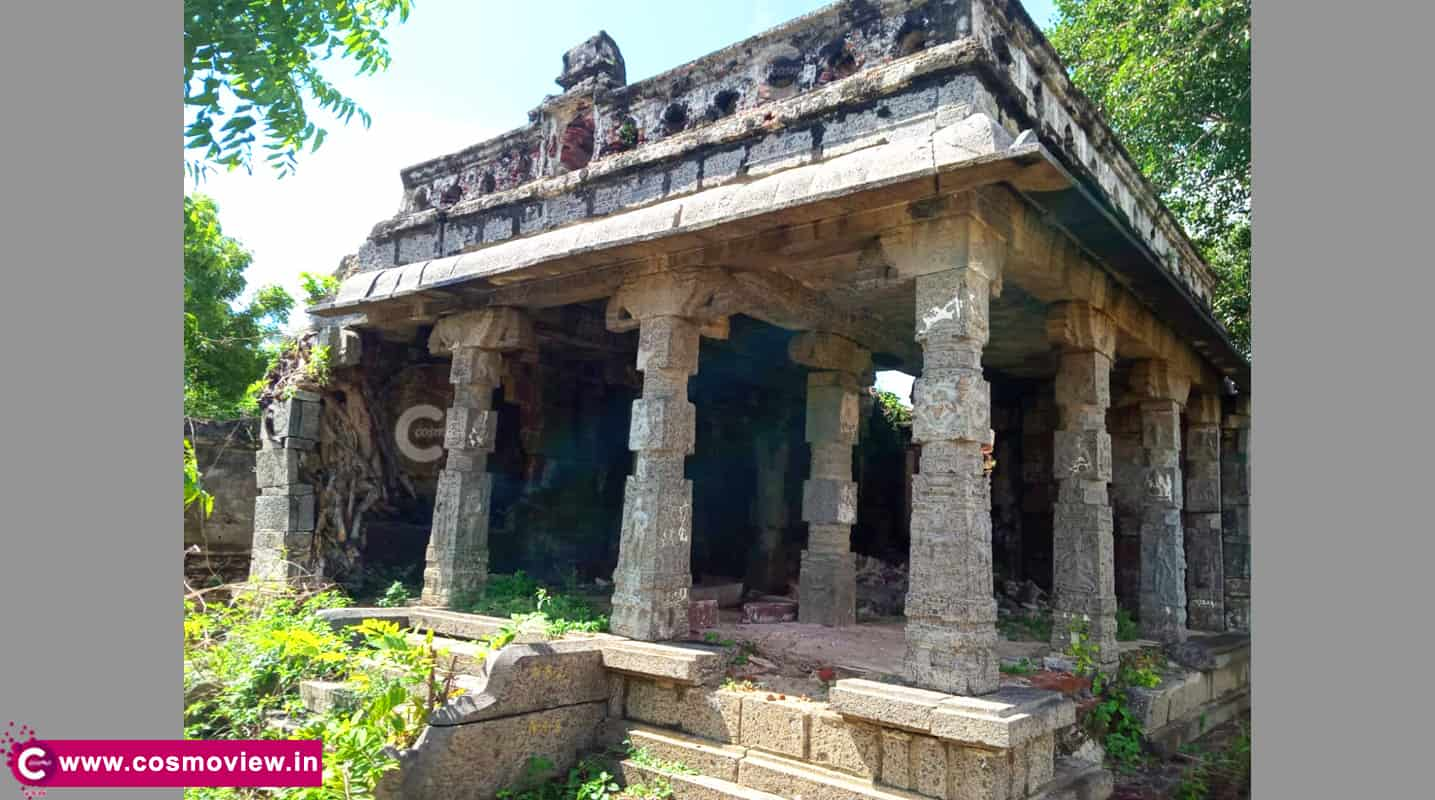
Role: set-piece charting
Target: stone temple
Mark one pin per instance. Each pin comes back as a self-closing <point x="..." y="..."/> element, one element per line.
<point x="634" y="339"/>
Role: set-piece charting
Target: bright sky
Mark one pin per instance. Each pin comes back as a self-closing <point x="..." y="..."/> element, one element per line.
<point x="463" y="71"/>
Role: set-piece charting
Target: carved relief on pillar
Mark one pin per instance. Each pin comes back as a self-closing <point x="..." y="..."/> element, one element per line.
<point x="1083" y="550"/>
<point x="457" y="556"/>
<point x="671" y="310"/>
<point x="1161" y="392"/>
<point x="1236" y="511"/>
<point x="951" y="613"/>
<point x="1205" y="572"/>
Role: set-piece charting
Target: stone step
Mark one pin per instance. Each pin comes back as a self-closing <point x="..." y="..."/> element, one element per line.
<point x="466" y="657"/>
<point x="787" y="777"/>
<point x="322" y="697"/>
<point x="708" y="758"/>
<point x="691" y="787"/>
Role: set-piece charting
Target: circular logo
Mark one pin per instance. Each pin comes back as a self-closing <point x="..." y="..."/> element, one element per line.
<point x="419" y="433"/>
<point x="34" y="763"/>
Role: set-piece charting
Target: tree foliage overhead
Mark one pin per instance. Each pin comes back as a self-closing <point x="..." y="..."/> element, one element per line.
<point x="224" y="344"/>
<point x="250" y="66"/>
<point x="1173" y="78"/>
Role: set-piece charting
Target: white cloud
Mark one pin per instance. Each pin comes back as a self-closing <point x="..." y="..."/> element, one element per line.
<point x="309" y="220"/>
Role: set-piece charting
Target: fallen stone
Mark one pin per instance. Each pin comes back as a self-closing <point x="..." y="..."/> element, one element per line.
<point x="702" y="614"/>
<point x="768" y="611"/>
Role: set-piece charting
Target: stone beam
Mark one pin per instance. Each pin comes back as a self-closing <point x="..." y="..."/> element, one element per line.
<point x="1084" y="579"/>
<point x="1048" y="264"/>
<point x="1205" y="573"/>
<point x="457" y="556"/>
<point x="951" y="614"/>
<point x="1161" y="392"/>
<point x="841" y="368"/>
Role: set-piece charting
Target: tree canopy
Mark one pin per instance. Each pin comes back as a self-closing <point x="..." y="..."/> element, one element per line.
<point x="250" y="66"/>
<point x="224" y="343"/>
<point x="1173" y="78"/>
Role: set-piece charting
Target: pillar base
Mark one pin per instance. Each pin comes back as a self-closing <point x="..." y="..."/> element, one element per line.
<point x="827" y="589"/>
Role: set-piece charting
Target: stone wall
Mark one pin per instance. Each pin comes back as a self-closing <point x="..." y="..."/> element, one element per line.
<point x="217" y="547"/>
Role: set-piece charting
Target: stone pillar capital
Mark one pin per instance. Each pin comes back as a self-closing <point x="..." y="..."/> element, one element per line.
<point x="828" y="351"/>
<point x="501" y="328"/>
<point x="1203" y="408"/>
<point x="1157" y="379"/>
<point x="706" y="296"/>
<point x="1075" y="326"/>
<point x="976" y="238"/>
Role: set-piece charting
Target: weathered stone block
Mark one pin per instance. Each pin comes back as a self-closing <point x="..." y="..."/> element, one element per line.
<point x="896" y="758"/>
<point x="827" y="588"/>
<point x="654" y="703"/>
<point x="663" y="423"/>
<point x="762" y="612"/>
<point x="775" y="725"/>
<point x="951" y="407"/>
<point x="293" y="418"/>
<point x="1082" y="455"/>
<point x="276" y="467"/>
<point x="476" y="367"/>
<point x="712" y="714"/>
<point x="284" y="512"/>
<point x="929" y="766"/>
<point x="848" y="745"/>
<point x="1005" y="719"/>
<point x="688" y="664"/>
<point x="471" y="429"/>
<point x="702" y="614"/>
<point x="668" y="343"/>
<point x="885" y="704"/>
<point x="978" y="774"/>
<point x="1084" y="379"/>
<point x="829" y="502"/>
<point x="832" y="414"/>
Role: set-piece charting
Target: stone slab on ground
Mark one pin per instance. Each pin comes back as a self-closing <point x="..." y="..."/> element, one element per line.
<point x="762" y="612"/>
<point x="689" y="663"/>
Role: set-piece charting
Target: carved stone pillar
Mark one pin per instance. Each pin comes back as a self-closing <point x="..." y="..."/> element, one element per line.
<point x="1084" y="580"/>
<point x="827" y="589"/>
<point x="951" y="613"/>
<point x="457" y="557"/>
<point x="1236" y="511"/>
<point x="1205" y="568"/>
<point x="1161" y="393"/>
<point x="654" y="574"/>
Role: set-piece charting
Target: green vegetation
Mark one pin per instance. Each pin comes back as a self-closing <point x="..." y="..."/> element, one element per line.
<point x="245" y="660"/>
<point x="1022" y="667"/>
<point x="1127" y="628"/>
<point x="530" y="606"/>
<point x="1111" y="720"/>
<point x="318" y="288"/>
<point x="226" y="347"/>
<point x="644" y="757"/>
<point x="1031" y="626"/>
<point x="251" y="68"/>
<point x="395" y="596"/>
<point x="1221" y="773"/>
<point x="1173" y="79"/>
<point x="193" y="482"/>
<point x="588" y="780"/>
